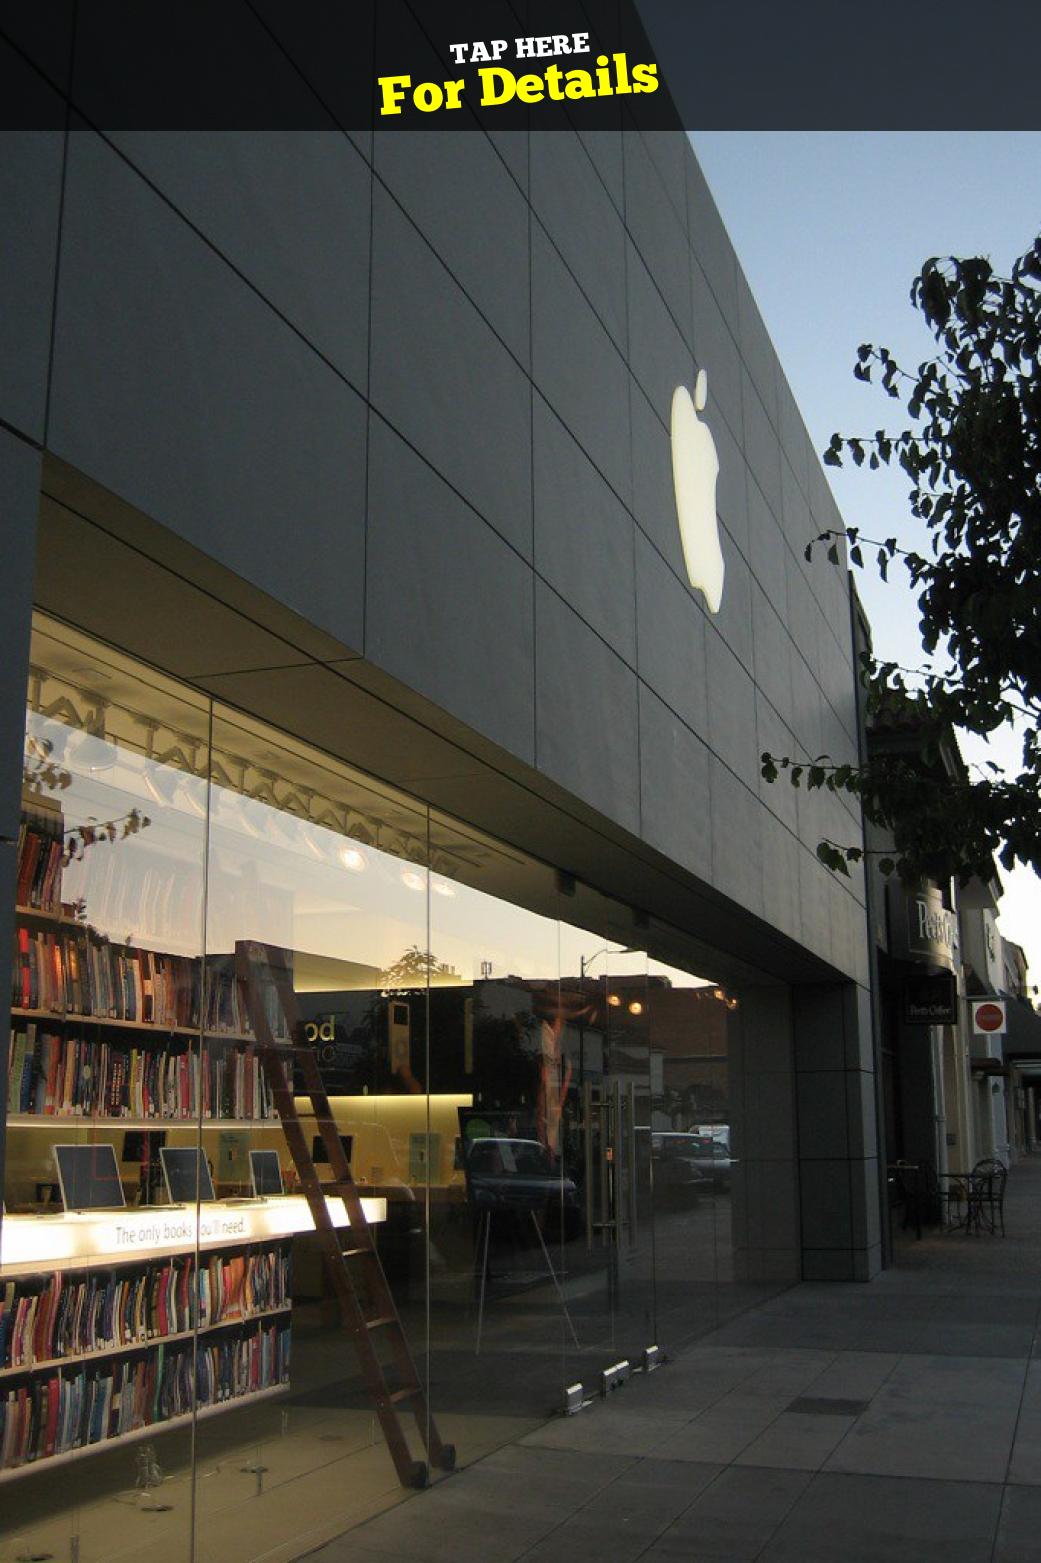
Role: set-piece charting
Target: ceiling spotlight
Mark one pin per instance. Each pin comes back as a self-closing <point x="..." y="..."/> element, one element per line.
<point x="413" y="880"/>
<point x="439" y="887"/>
<point x="351" y="858"/>
<point x="636" y="1008"/>
<point x="613" y="1000"/>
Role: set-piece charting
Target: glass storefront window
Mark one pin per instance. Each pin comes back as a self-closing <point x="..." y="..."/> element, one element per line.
<point x="248" y="978"/>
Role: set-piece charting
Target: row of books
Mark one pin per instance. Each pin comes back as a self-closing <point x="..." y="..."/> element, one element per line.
<point x="238" y="1285"/>
<point x="47" y="1317"/>
<point x="76" y="970"/>
<point x="68" y="1410"/>
<point x="52" y="1075"/>
<point x="41" y="844"/>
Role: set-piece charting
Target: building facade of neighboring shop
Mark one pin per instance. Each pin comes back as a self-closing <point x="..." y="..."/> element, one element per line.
<point x="347" y="612"/>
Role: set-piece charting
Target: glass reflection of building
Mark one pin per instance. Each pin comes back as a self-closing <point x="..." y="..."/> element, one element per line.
<point x="500" y="1079"/>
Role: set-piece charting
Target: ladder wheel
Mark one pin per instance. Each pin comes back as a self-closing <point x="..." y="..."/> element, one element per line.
<point x="418" y="1475"/>
<point x="447" y="1461"/>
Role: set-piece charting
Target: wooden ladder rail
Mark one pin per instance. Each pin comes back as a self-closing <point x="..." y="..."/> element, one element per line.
<point x="274" y="1054"/>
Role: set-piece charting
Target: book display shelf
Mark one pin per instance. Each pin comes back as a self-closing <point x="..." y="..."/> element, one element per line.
<point x="116" y="1323"/>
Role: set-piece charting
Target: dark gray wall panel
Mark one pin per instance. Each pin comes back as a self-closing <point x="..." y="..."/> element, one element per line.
<point x="773" y="654"/>
<point x="654" y="498"/>
<point x="799" y="528"/>
<point x="774" y="737"/>
<point x="757" y="349"/>
<point x="319" y="52"/>
<point x="669" y="152"/>
<point x="659" y="355"/>
<point x="802" y="621"/>
<point x="458" y="192"/>
<point x="20" y="487"/>
<point x="180" y="390"/>
<point x="675" y="808"/>
<point x="30" y="197"/>
<point x="445" y="381"/>
<point x="781" y="876"/>
<point x="605" y="153"/>
<point x="767" y="552"/>
<point x="734" y="619"/>
<point x="731" y="489"/>
<point x="449" y="608"/>
<point x="290" y="210"/>
<point x="659" y="231"/>
<point x="762" y="446"/>
<point x="578" y="369"/>
<point x="710" y="241"/>
<point x="671" y="632"/>
<point x="716" y="352"/>
<point x="795" y="441"/>
<point x="737" y="867"/>
<point x="587" y="722"/>
<point x="576" y="211"/>
<point x="731" y="710"/>
<point x="806" y="706"/>
<point x="583" y="536"/>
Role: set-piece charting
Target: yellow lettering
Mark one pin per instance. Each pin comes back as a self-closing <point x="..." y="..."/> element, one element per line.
<point x="428" y="97"/>
<point x="645" y="78"/>
<point x="531" y="89"/>
<point x="393" y="90"/>
<point x="507" y="85"/>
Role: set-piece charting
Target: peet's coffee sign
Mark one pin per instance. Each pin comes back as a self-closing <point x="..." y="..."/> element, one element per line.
<point x="924" y="929"/>
<point x="930" y="1001"/>
<point x="932" y="928"/>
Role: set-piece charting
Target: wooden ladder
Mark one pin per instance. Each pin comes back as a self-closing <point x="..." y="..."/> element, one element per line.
<point x="366" y="1306"/>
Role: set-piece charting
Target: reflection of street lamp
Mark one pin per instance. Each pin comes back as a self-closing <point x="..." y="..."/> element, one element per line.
<point x="584" y="963"/>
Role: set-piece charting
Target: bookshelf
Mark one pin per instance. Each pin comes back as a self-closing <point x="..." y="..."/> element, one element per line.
<point x="146" y="1430"/>
<point x="116" y="1325"/>
<point x="35" y="1251"/>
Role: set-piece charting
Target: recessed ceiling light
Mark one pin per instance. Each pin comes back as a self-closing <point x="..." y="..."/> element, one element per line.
<point x="441" y="888"/>
<point x="413" y="880"/>
<point x="354" y="859"/>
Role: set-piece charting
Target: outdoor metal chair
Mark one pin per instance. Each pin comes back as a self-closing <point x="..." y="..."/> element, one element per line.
<point x="987" y="1182"/>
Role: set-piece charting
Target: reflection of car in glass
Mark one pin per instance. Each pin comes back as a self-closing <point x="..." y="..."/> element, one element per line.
<point x="676" y="1166"/>
<point x="508" y="1174"/>
<point x="712" y="1159"/>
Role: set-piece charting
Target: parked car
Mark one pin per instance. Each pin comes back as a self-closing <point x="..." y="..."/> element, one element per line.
<point x="518" y="1175"/>
<point x="676" y="1167"/>
<point x="698" y="1153"/>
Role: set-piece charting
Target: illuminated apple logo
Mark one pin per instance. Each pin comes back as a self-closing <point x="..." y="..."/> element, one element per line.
<point x="695" y="468"/>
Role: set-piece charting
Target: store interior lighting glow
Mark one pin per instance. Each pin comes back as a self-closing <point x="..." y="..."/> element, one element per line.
<point x="353" y="859"/>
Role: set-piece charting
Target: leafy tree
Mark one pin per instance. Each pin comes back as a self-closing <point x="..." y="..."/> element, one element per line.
<point x="971" y="450"/>
<point x="414" y="968"/>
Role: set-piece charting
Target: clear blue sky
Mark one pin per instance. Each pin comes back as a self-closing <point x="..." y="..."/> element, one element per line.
<point x="830" y="229"/>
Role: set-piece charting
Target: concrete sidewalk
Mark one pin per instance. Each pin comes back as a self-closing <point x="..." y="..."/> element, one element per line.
<point x="898" y="1422"/>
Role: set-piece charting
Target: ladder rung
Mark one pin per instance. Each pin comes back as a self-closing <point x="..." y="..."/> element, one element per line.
<point x="380" y="1320"/>
<point x="404" y="1394"/>
<point x="352" y="1253"/>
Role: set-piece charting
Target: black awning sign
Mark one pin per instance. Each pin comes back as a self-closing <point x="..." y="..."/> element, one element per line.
<point x="930" y="1001"/>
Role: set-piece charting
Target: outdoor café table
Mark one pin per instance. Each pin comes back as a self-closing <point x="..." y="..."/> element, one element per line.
<point x="957" y="1191"/>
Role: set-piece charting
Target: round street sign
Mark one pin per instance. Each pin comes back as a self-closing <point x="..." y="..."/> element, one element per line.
<point x="989" y="1017"/>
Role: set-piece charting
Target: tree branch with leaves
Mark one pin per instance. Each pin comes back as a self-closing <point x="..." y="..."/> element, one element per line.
<point x="971" y="450"/>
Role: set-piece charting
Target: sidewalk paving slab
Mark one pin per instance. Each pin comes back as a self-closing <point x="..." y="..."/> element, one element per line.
<point x="893" y="1422"/>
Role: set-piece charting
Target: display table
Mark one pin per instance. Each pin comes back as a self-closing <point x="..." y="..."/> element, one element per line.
<point x="84" y="1239"/>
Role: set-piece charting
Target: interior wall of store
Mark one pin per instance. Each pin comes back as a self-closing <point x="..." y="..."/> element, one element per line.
<point x="258" y="366"/>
